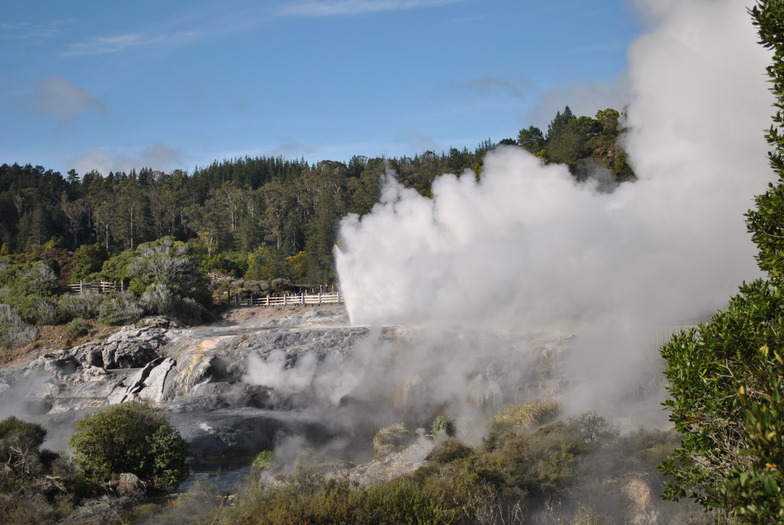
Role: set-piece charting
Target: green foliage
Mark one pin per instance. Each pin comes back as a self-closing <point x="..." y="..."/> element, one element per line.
<point x="78" y="328"/>
<point x="707" y="368"/>
<point x="19" y="437"/>
<point x="725" y="376"/>
<point x="267" y="263"/>
<point x="119" y="309"/>
<point x="33" y="481"/>
<point x="531" y="139"/>
<point x="264" y="460"/>
<point x="14" y="332"/>
<point x="308" y="497"/>
<point x="90" y="260"/>
<point x="169" y="281"/>
<point x="130" y="438"/>
<point x="85" y="306"/>
<point x="449" y="449"/>
<point x="442" y="427"/>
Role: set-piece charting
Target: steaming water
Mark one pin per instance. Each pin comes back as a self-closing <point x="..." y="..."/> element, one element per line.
<point x="527" y="248"/>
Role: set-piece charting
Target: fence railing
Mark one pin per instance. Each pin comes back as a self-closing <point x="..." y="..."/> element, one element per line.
<point x="253" y="300"/>
<point x="97" y="286"/>
<point x="286" y="300"/>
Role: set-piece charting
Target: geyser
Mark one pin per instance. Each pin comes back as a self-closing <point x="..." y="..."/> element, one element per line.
<point x="522" y="246"/>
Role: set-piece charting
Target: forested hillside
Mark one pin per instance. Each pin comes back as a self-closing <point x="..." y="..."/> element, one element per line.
<point x="234" y="212"/>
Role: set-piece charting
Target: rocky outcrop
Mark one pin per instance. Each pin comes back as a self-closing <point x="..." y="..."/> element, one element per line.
<point x="346" y="378"/>
<point x="129" y="348"/>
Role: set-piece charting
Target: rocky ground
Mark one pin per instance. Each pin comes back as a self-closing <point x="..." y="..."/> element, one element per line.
<point x="196" y="374"/>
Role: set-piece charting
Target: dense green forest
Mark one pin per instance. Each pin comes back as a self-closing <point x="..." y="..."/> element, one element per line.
<point x="236" y="213"/>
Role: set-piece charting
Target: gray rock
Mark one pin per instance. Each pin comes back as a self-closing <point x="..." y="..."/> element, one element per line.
<point x="128" y="348"/>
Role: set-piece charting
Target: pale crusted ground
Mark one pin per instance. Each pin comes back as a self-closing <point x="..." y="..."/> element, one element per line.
<point x="329" y="314"/>
<point x="52" y="338"/>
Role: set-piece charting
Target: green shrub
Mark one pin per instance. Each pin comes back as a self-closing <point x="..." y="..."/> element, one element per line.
<point x="86" y="305"/>
<point x="448" y="450"/>
<point x="263" y="461"/>
<point x="130" y="438"/>
<point x="14" y="332"/>
<point x="90" y="259"/>
<point x="390" y="439"/>
<point x="443" y="426"/>
<point x="120" y="309"/>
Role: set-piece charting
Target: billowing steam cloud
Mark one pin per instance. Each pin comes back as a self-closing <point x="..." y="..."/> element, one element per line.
<point x="492" y="276"/>
<point x="526" y="248"/>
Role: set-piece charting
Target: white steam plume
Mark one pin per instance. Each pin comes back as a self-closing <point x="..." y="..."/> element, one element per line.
<point x="528" y="249"/>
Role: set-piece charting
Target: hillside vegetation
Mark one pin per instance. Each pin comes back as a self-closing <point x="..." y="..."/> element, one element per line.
<point x="178" y="242"/>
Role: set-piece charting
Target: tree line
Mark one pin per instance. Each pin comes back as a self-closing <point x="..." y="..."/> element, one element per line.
<point x="271" y="206"/>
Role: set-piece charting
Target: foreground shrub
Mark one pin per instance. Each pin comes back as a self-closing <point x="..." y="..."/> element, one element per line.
<point x="309" y="497"/>
<point x="14" y="332"/>
<point x="130" y="438"/>
<point x="33" y="481"/>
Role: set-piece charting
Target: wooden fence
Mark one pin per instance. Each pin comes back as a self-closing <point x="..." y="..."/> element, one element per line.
<point x="287" y="300"/>
<point x="98" y="286"/>
<point x="253" y="300"/>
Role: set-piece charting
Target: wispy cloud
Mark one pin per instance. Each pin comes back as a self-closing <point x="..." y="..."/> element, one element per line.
<point x="517" y="88"/>
<point x="23" y="31"/>
<point x="354" y="7"/>
<point x="113" y="44"/>
<point x="66" y="100"/>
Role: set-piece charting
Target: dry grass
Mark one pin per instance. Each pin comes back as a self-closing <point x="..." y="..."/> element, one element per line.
<point x="525" y="415"/>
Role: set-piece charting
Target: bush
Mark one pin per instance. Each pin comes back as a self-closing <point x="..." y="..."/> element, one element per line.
<point x="389" y="439"/>
<point x="78" y="328"/>
<point x="443" y="426"/>
<point x="448" y="450"/>
<point x="263" y="461"/>
<point x="120" y="309"/>
<point x="166" y="262"/>
<point x="523" y="416"/>
<point x="159" y="299"/>
<point x="14" y="332"/>
<point x="87" y="305"/>
<point x="130" y="438"/>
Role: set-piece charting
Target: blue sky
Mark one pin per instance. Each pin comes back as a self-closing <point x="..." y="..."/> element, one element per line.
<point x="178" y="84"/>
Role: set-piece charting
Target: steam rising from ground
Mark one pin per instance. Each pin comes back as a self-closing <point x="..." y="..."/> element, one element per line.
<point x="526" y="248"/>
<point x="518" y="282"/>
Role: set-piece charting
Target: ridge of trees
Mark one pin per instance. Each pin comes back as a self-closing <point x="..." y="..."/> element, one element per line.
<point x="277" y="206"/>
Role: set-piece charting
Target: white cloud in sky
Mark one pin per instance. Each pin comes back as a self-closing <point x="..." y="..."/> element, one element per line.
<point x="112" y="44"/>
<point x="66" y="100"/>
<point x="156" y="157"/>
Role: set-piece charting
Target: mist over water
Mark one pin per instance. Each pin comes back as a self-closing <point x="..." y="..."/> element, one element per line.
<point x="526" y="249"/>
